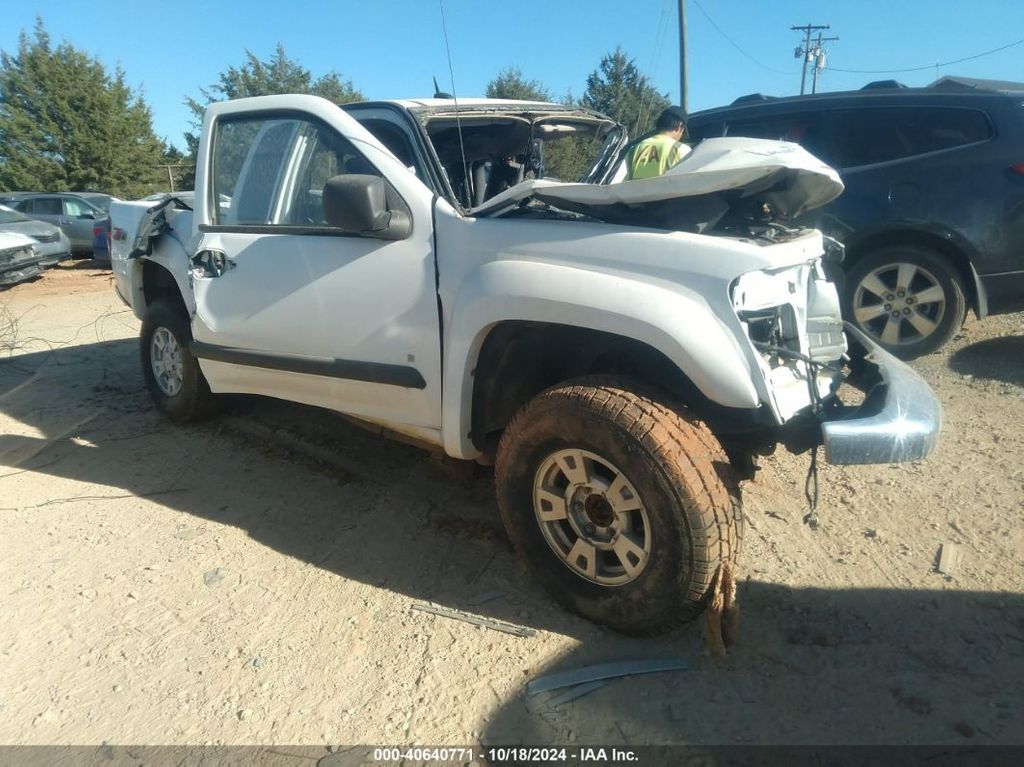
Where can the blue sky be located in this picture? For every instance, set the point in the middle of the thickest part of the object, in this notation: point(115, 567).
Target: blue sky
point(392, 48)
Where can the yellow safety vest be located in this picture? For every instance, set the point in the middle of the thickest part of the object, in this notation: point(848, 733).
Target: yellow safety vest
point(653, 156)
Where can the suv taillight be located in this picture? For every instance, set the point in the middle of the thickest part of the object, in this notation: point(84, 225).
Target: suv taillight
point(119, 234)
point(1018, 168)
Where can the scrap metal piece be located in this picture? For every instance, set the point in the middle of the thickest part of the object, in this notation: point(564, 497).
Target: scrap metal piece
point(576, 692)
point(949, 558)
point(476, 620)
point(602, 671)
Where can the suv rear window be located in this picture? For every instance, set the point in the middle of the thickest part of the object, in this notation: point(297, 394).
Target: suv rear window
point(847, 138)
point(866, 136)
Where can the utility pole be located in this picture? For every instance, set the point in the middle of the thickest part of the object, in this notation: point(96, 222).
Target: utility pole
point(682, 56)
point(819, 60)
point(806, 51)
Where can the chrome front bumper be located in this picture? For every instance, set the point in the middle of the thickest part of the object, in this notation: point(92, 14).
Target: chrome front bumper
point(899, 420)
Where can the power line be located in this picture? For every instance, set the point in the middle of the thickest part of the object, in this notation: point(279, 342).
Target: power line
point(929, 66)
point(659, 41)
point(734, 44)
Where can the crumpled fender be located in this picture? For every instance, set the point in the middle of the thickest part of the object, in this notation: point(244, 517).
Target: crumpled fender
point(671, 318)
point(172, 256)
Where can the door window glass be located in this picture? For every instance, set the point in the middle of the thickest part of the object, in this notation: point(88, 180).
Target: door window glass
point(46, 206)
point(804, 129)
point(272, 171)
point(75, 208)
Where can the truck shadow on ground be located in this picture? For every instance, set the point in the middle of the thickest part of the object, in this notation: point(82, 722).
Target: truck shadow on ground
point(813, 665)
point(300, 480)
point(996, 359)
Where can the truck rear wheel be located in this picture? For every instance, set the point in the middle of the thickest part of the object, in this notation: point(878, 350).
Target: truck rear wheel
point(623, 506)
point(172, 373)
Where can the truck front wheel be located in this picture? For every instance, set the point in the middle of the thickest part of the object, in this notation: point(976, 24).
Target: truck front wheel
point(623, 506)
point(172, 373)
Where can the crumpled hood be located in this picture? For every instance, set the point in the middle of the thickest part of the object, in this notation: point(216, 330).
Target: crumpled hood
point(14, 241)
point(32, 228)
point(786, 175)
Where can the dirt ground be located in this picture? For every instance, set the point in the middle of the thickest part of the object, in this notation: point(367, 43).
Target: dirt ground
point(252, 579)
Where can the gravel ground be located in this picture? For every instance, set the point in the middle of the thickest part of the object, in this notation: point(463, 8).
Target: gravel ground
point(252, 579)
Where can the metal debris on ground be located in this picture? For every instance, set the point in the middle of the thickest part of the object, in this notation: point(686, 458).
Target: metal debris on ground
point(950, 555)
point(612, 670)
point(576, 692)
point(476, 620)
point(213, 577)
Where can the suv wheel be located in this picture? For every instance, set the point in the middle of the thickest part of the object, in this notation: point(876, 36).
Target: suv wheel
point(908, 299)
point(622, 506)
point(172, 373)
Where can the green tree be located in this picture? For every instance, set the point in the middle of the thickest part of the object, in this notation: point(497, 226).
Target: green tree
point(620, 90)
point(510, 84)
point(66, 124)
point(258, 77)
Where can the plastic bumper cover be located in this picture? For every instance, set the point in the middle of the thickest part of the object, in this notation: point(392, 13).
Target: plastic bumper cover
point(899, 421)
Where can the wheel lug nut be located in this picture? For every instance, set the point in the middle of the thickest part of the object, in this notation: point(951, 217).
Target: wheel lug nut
point(589, 529)
point(906, 311)
point(901, 293)
point(888, 307)
point(890, 297)
point(895, 314)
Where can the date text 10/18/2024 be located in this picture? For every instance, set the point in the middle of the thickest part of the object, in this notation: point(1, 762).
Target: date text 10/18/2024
point(504, 754)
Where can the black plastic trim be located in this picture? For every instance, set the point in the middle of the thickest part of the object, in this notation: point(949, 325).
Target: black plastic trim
point(355, 370)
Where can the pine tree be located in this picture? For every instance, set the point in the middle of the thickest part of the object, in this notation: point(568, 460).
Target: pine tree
point(618, 89)
point(258, 77)
point(66, 124)
point(510, 84)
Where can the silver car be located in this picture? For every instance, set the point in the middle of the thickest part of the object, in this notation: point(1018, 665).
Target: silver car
point(50, 242)
point(78, 218)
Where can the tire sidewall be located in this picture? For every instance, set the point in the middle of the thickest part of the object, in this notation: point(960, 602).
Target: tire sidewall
point(655, 591)
point(183, 405)
point(945, 273)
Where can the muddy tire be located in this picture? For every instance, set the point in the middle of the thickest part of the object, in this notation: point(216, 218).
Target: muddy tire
point(623, 506)
point(908, 299)
point(172, 373)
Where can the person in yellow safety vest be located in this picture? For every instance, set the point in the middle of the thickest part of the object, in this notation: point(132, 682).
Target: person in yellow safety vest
point(656, 154)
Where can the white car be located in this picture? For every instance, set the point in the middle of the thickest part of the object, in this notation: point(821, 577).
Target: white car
point(619, 351)
point(50, 241)
point(19, 260)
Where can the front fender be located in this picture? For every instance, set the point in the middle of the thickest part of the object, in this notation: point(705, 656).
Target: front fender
point(680, 323)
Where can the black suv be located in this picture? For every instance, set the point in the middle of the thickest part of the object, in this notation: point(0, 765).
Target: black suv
point(933, 212)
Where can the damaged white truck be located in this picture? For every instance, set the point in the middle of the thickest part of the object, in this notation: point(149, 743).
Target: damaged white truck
point(618, 350)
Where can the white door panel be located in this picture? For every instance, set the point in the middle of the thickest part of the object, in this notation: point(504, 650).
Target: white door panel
point(335, 300)
point(287, 308)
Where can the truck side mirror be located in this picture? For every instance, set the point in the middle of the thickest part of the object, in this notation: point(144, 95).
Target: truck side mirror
point(357, 203)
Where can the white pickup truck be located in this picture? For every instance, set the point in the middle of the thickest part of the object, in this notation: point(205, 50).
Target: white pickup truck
point(618, 350)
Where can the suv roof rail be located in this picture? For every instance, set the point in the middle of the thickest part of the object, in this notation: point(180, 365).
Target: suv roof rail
point(751, 97)
point(880, 84)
